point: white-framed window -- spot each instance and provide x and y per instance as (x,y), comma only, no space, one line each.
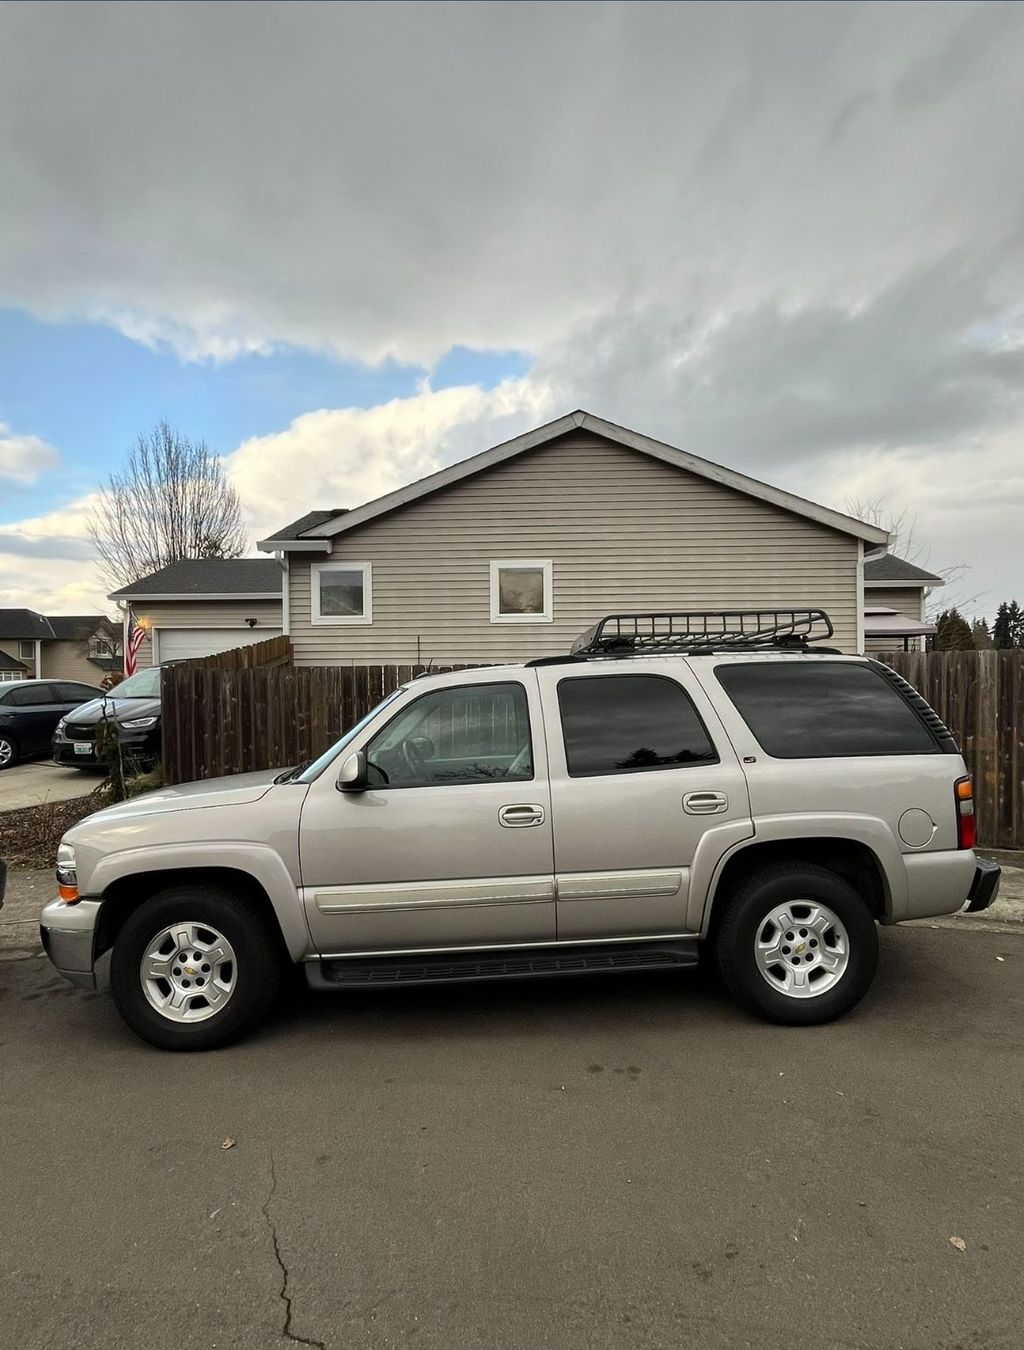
(341,592)
(521,590)
(27,651)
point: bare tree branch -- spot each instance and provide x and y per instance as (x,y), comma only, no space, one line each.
(169,501)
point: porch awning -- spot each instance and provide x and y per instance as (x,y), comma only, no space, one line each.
(891,623)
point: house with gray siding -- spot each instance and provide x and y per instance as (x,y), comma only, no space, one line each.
(77,647)
(512,553)
(895,599)
(201,606)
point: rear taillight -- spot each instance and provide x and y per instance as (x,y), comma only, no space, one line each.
(964,813)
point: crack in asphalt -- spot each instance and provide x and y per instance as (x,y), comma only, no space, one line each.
(283,1295)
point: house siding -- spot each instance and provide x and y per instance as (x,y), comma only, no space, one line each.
(67,660)
(908,601)
(203,614)
(624,532)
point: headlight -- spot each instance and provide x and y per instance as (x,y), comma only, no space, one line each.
(67,874)
(137,723)
(60,724)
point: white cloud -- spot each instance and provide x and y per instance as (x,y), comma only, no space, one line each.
(783,236)
(48,564)
(24,459)
(347,456)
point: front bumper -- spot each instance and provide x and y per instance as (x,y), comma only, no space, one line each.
(68,935)
(984,887)
(140,743)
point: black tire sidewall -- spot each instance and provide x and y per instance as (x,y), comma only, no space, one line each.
(747,910)
(257,956)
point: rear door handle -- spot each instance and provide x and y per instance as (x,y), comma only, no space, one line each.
(705,803)
(514,817)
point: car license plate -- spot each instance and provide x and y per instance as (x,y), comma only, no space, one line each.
(82,747)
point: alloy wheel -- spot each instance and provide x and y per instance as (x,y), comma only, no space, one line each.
(801,948)
(189,972)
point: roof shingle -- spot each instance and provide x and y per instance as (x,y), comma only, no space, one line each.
(307,522)
(891,568)
(208,576)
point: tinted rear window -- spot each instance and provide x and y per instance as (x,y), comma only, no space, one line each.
(628,724)
(821,709)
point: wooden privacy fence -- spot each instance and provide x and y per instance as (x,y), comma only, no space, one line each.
(218,721)
(980,697)
(221,718)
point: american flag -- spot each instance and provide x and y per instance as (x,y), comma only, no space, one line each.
(133,642)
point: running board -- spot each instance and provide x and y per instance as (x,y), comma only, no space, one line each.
(368,972)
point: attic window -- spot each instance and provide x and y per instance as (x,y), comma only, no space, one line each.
(521,590)
(342,593)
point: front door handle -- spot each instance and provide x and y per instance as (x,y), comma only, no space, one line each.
(705,803)
(514,817)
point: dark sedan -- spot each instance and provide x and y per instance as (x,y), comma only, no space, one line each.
(134,708)
(29,711)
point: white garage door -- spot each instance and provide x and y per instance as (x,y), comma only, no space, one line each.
(179,644)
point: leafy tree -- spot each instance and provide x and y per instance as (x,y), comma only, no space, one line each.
(954,632)
(169,501)
(982,637)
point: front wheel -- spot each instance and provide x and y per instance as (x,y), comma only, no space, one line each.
(194,968)
(796,944)
(8,752)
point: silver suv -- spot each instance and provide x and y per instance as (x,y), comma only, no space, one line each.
(678,784)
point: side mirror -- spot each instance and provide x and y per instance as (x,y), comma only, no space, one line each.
(352,777)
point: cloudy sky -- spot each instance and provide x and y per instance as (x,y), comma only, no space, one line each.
(347,245)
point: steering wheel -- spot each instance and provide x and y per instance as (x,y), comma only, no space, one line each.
(521,762)
(414,752)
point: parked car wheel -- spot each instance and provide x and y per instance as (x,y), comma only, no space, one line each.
(194,968)
(796,944)
(8,752)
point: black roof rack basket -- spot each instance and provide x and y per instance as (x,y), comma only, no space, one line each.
(704,630)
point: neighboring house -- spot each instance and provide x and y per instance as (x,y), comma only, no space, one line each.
(204,605)
(80,647)
(895,592)
(513,553)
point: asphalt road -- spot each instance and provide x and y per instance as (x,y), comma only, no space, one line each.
(606,1163)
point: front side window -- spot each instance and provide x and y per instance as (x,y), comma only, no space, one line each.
(342,592)
(26,651)
(821,709)
(470,734)
(520,591)
(30,696)
(629,724)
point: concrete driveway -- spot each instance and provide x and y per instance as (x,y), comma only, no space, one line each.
(607,1164)
(37,781)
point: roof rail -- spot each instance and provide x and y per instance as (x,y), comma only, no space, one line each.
(704,630)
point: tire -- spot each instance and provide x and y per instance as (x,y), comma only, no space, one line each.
(811,921)
(8,752)
(211,923)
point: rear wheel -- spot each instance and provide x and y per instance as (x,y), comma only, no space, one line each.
(796,944)
(195,967)
(8,752)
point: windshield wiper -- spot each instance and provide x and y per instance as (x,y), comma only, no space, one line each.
(290,775)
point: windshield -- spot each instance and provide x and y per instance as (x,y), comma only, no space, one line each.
(143,684)
(318,765)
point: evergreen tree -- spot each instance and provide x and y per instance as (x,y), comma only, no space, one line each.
(982,637)
(954,632)
(1002,631)
(1016,616)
